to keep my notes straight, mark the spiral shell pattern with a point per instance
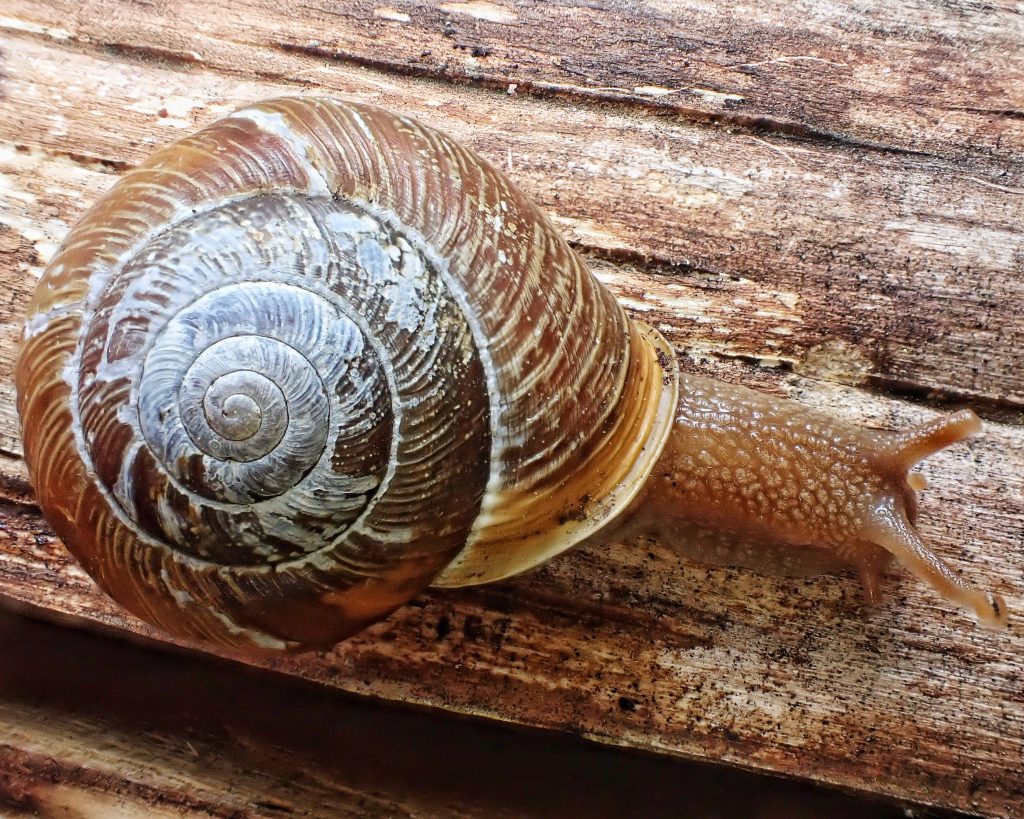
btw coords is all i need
(300, 365)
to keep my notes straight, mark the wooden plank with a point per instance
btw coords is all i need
(632, 648)
(892, 270)
(942, 79)
(846, 271)
(90, 727)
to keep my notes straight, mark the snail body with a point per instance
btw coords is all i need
(302, 364)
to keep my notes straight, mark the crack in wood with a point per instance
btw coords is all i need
(607, 97)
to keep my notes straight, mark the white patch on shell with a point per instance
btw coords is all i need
(358, 119)
(344, 224)
(402, 285)
(500, 440)
(302, 149)
(122, 488)
(182, 598)
(257, 638)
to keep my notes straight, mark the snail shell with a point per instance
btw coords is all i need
(300, 365)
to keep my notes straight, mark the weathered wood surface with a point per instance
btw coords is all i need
(823, 201)
(80, 736)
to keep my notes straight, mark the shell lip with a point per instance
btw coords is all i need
(625, 459)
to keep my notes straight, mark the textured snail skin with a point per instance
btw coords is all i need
(302, 364)
(749, 480)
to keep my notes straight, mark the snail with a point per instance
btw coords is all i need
(302, 364)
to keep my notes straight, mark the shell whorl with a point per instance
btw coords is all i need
(299, 365)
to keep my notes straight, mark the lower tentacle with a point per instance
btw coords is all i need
(888, 527)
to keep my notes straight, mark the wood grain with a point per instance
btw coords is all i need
(929, 78)
(846, 235)
(768, 250)
(79, 736)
